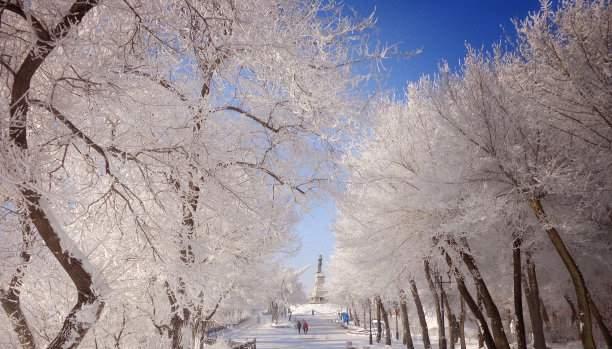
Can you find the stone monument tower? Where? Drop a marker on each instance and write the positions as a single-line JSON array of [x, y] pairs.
[[318, 292]]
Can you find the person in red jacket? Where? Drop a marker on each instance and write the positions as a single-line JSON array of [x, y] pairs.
[[305, 327]]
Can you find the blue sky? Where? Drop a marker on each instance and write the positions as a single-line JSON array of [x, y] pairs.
[[441, 29]]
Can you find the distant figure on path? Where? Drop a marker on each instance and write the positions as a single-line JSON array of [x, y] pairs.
[[345, 318], [312, 312], [299, 326], [306, 327]]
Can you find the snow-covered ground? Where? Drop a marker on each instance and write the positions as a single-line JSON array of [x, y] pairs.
[[325, 332]]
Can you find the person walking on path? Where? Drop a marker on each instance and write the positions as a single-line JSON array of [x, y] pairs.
[[305, 327], [299, 326]]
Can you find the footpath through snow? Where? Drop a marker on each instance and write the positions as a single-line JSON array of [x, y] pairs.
[[324, 332]]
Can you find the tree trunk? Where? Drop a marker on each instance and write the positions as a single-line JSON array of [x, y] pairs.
[[582, 293], [181, 321], [452, 322], [10, 299], [436, 299], [480, 333], [179, 325], [605, 332], [12, 307], [481, 338], [274, 311], [521, 339], [189, 205], [378, 319], [497, 326], [471, 303], [532, 294], [405, 324], [370, 311], [544, 314], [462, 325], [574, 316], [355, 314], [179, 316], [397, 311], [438, 279], [421, 313], [385, 318], [89, 303]]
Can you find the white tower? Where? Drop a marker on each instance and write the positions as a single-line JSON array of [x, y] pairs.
[[318, 292]]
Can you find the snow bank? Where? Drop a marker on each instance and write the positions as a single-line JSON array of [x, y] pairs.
[[281, 325], [306, 309], [218, 345]]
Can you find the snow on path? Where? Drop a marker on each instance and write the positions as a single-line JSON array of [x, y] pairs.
[[324, 333]]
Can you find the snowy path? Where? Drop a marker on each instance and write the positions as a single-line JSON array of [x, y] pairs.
[[323, 334]]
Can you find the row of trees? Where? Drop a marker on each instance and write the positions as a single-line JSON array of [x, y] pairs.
[[154, 156], [491, 185]]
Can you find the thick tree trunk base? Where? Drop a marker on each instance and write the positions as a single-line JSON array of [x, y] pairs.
[[421, 313]]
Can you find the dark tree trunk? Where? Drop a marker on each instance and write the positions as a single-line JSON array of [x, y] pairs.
[[177, 319], [274, 311], [605, 332], [462, 325], [574, 316], [405, 324], [438, 279], [480, 307], [436, 299], [582, 293], [177, 325], [397, 324], [189, 205], [471, 303], [544, 314], [370, 311], [532, 294], [10, 298], [497, 326], [181, 320], [89, 300], [385, 318], [88, 297], [378, 319], [421, 313], [355, 314], [481, 338], [521, 339], [452, 322]]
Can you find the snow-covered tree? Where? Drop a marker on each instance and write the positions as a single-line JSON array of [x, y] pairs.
[[155, 154], [503, 158]]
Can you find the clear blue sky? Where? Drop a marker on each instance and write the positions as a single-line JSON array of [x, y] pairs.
[[441, 29]]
